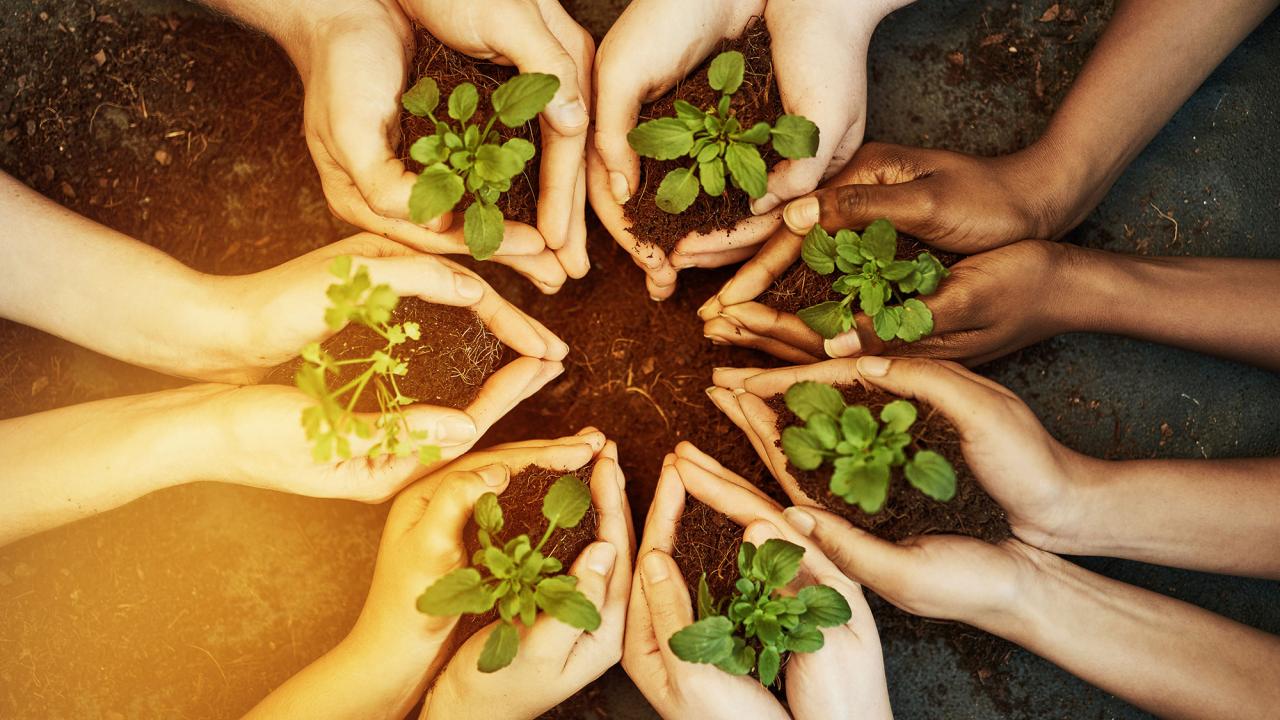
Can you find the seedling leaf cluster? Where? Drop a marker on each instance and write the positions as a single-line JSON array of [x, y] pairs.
[[715, 142], [518, 578], [461, 157], [861, 450], [755, 627], [332, 421], [873, 276]]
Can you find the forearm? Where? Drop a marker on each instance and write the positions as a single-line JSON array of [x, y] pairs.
[[69, 463], [1219, 306], [1163, 655], [84, 282], [1151, 57]]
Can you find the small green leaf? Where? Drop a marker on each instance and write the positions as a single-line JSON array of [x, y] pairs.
[[711, 175], [807, 399], [705, 641], [802, 448], [428, 150], [488, 513], [561, 600], [519, 99], [746, 554], [917, 320], [661, 139], [678, 191], [422, 98], [706, 603], [500, 649], [747, 168], [341, 267], [768, 665], [819, 251], [463, 101], [794, 137], [496, 163], [461, 591], [726, 71], [436, 191], [931, 273], [482, 229], [566, 502], [825, 430], [871, 296], [523, 149], [857, 426], [777, 562], [824, 606], [756, 135], [898, 416], [804, 638], [689, 114], [887, 322], [865, 484], [897, 270], [828, 319], [880, 240], [932, 475]]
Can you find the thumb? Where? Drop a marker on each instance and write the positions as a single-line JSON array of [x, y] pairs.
[[534, 48], [943, 384], [438, 533], [865, 558], [860, 340], [855, 206]]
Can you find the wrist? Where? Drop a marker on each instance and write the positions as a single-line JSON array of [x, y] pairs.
[[321, 22], [182, 443], [1017, 616], [1052, 182]]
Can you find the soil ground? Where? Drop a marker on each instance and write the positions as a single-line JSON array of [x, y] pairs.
[[183, 130]]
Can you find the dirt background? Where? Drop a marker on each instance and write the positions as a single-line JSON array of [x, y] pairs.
[[182, 129]]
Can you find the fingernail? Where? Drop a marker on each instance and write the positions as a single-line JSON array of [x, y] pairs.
[[730, 319], [761, 530], [619, 187], [467, 286], [873, 366], [568, 115], [680, 261], [655, 298], [494, 475], [801, 215], [802, 521], [843, 345], [711, 392], [715, 340], [601, 557], [738, 391], [764, 203], [455, 429], [655, 567], [712, 301]]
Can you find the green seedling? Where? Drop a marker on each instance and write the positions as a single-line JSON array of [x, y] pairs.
[[461, 158], [870, 274], [520, 580], [715, 141], [332, 422], [755, 627], [861, 450]]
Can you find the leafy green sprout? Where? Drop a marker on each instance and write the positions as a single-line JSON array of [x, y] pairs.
[[462, 157], [519, 579], [757, 625], [861, 451], [871, 274], [331, 422], [714, 140]]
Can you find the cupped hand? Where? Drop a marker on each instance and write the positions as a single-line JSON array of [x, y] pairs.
[[1032, 476], [555, 660], [956, 202]]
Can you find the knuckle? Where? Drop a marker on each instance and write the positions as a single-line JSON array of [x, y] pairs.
[[850, 201]]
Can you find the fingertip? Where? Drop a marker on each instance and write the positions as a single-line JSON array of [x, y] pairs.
[[846, 344], [468, 287], [656, 567], [619, 187], [455, 428], [800, 520], [873, 366], [801, 215], [758, 531], [568, 116], [440, 223], [765, 203], [494, 477], [601, 557]]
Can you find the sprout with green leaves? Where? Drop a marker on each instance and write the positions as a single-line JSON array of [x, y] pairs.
[[757, 626], [715, 141], [861, 450], [331, 422], [463, 158], [873, 275], [520, 580]]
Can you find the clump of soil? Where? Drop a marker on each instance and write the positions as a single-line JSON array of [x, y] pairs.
[[707, 541], [455, 354], [450, 68], [756, 101], [521, 505], [907, 511], [802, 287]]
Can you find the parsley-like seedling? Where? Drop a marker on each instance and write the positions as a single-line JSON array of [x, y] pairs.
[[714, 140], [873, 276], [520, 579], [463, 158], [861, 450], [757, 625], [330, 423]]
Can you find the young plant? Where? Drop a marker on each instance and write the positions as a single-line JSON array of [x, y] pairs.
[[461, 158], [330, 423], [520, 580], [873, 276], [756, 626], [714, 141], [861, 450]]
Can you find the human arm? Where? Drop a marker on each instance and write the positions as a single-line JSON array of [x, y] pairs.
[[1166, 656], [967, 204]]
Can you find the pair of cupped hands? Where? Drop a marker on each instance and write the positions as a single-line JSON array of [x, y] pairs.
[[1041, 485]]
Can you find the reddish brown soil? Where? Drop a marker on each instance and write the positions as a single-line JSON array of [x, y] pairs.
[[450, 69], [447, 365], [756, 101], [707, 542], [802, 287]]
